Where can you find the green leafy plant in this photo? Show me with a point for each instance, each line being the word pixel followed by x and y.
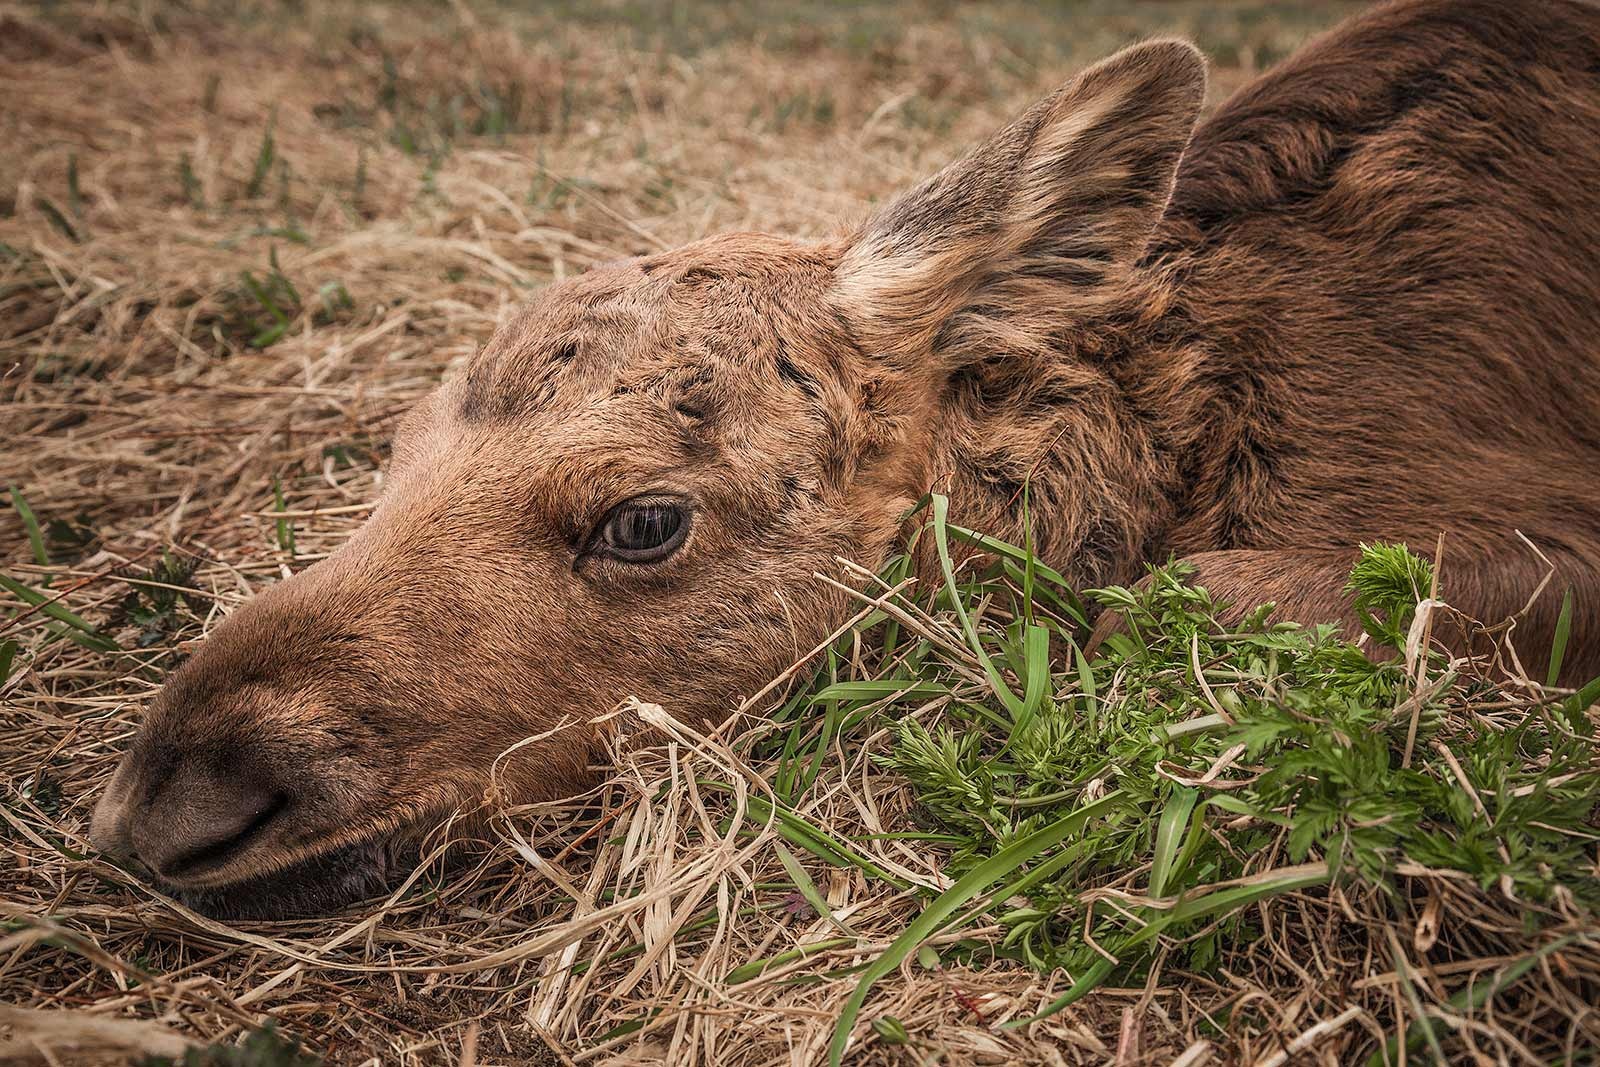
pixel 265 155
pixel 268 305
pixel 1386 583
pixel 1101 808
pixel 275 296
pixel 155 597
pixel 283 526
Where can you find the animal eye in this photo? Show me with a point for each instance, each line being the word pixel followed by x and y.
pixel 644 530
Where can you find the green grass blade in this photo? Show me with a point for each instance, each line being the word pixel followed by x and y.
pixel 999 548
pixel 1086 683
pixel 264 157
pixel 833 721
pixel 1036 671
pixel 815 840
pixel 285 528
pixel 1578 703
pixel 1043 594
pixel 1031 567
pixel 755 968
pixel 31 524
pixel 74 189
pixel 941 540
pixel 1036 660
pixel 952 900
pixel 1204 906
pixel 1558 647
pixel 788 765
pixel 1041 872
pixel 879 690
pixel 1170 832
pixel 57 219
pixel 1083 986
pixel 79 629
pixel 264 298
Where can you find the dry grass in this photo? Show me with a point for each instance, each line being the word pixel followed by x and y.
pixel 394 179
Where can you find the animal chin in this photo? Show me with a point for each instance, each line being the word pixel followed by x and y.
pixel 319 885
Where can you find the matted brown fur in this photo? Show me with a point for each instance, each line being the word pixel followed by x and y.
pixel 1366 254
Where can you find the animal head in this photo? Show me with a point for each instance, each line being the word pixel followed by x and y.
pixel 627 493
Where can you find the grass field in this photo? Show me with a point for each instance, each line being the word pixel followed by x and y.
pixel 238 239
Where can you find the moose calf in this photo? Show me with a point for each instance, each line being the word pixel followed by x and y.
pixel 1361 301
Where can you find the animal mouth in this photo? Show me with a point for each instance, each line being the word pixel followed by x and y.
pixel 318 885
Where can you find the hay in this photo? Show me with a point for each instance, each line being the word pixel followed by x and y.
pixel 394 180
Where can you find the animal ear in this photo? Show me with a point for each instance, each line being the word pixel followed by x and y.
pixel 1056 207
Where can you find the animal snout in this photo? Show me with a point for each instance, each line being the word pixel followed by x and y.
pixel 189 820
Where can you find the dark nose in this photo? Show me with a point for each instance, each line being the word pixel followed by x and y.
pixel 186 822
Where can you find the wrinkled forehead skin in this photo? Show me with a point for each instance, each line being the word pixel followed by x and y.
pixel 708 329
pixel 718 370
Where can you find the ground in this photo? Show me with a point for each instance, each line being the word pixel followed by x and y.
pixel 237 240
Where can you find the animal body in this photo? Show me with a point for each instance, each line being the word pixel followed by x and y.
pixel 1361 301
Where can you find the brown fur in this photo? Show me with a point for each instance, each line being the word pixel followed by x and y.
pixel 1363 303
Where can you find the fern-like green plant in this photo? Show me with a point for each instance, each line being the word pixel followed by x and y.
pixel 1387 582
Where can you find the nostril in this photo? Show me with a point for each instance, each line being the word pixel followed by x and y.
pixel 209 848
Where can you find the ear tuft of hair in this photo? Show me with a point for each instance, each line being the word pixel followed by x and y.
pixel 1057 206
